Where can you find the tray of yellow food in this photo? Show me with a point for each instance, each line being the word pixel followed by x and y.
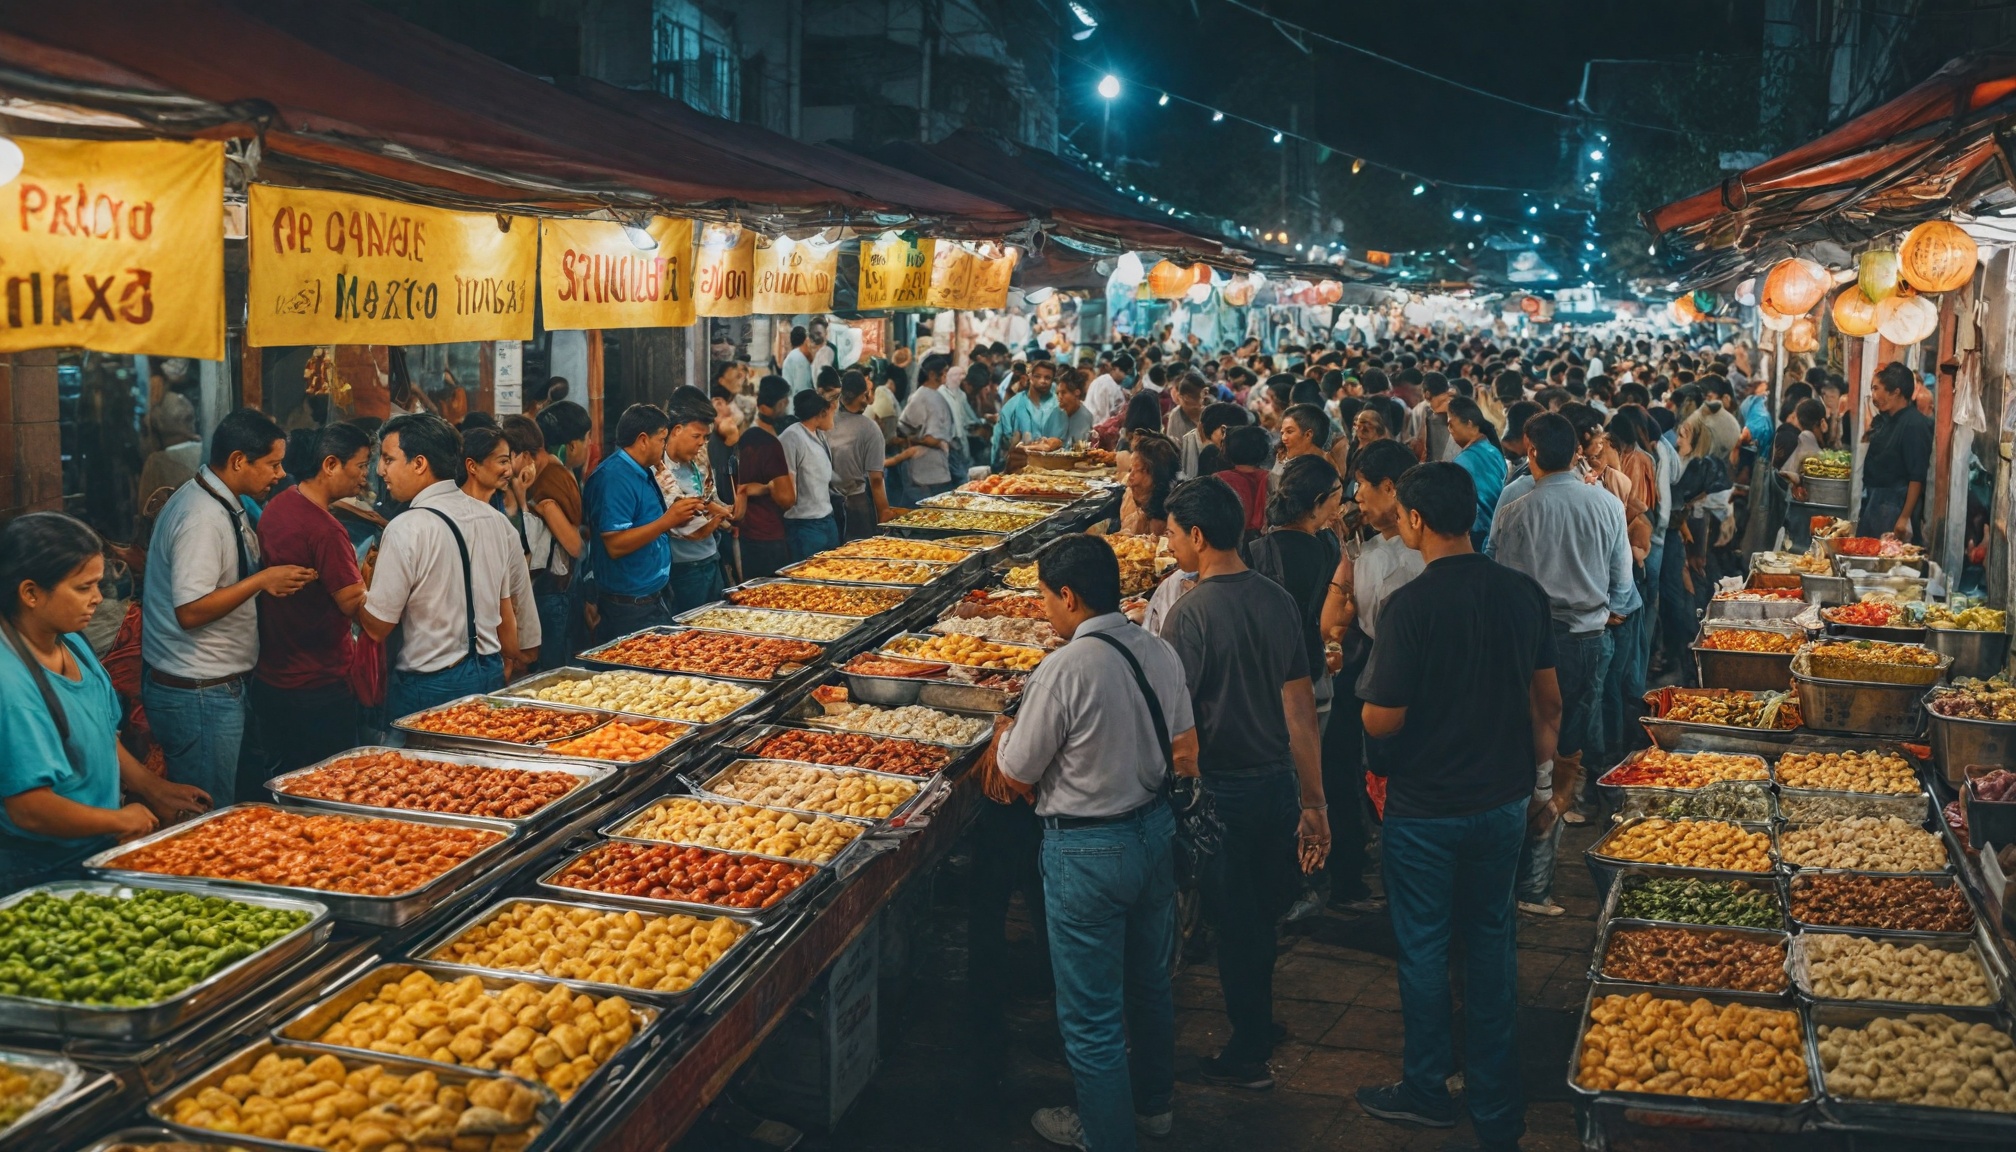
pixel 963 651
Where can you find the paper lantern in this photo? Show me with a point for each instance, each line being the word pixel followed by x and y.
pixel 1168 280
pixel 1746 293
pixel 1854 313
pixel 1329 292
pixel 1200 273
pixel 1794 286
pixel 1238 291
pixel 1705 302
pixel 1127 270
pixel 1906 318
pixel 1680 312
pixel 1198 293
pixel 1876 272
pixel 1802 336
pixel 1530 305
pixel 1937 256
pixel 1775 321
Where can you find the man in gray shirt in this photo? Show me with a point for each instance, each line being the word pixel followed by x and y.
pixel 859 459
pixel 1104 721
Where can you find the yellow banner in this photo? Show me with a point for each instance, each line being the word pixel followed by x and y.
pixel 593 275
pixel 991 278
pixel 895 273
pixel 115 246
pixel 951 275
pixel 332 268
pixel 794 276
pixel 724 273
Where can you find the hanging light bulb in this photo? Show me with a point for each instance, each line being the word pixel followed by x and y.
pixel 1420 188
pixel 1357 166
pixel 1217 116
pixel 1163 102
pixel 1277 136
pixel 1109 86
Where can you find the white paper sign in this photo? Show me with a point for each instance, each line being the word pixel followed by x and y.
pixel 508 378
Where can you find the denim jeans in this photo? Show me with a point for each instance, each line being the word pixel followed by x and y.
pixel 1445 878
pixel 1109 891
pixel 1580 660
pixel 1246 887
pixel 24 862
pixel 620 618
pixel 1676 608
pixel 410 692
pixel 1344 788
pixel 694 583
pixel 1623 686
pixel 556 629
pixel 811 535
pixel 201 732
pixel 763 557
pixel 300 726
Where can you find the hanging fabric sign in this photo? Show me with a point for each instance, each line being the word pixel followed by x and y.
pixel 724 274
pixel 952 268
pixel 333 268
pixel 594 274
pixel 794 276
pixel 895 273
pixel 991 277
pixel 115 246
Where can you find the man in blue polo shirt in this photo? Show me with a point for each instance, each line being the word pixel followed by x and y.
pixel 1031 419
pixel 629 519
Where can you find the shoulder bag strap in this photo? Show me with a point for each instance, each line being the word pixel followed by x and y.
pixel 468 577
pixel 1147 694
pixel 234 514
pixel 41 677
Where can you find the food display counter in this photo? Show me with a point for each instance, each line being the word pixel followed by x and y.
pixel 568 964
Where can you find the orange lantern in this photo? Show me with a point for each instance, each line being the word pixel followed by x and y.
pixel 1329 292
pixel 1530 305
pixel 1906 318
pixel 1200 273
pixel 1937 256
pixel 1681 312
pixel 1794 286
pixel 1854 312
pixel 1802 336
pixel 1238 291
pixel 1167 281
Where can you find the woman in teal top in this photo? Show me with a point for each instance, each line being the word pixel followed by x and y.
pixel 63 768
pixel 1481 457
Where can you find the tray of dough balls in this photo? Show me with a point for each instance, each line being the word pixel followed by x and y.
pixel 1706 1058
pixel 1682 959
pixel 1930 1074
pixel 515 725
pixel 536 1028
pixel 1908 973
pixel 373 781
pixel 824 788
pixel 276 1095
pixel 1884 844
pixel 1821 784
pixel 732 826
pixel 699 704
pixel 1723 848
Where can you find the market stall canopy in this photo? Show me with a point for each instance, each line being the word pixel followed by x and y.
pixel 1929 152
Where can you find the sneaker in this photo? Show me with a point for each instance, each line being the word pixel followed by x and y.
pixel 1548 908
pixel 1059 1126
pixel 1390 1102
pixel 1158 1125
pixel 1235 1074
pixel 1573 817
pixel 1308 907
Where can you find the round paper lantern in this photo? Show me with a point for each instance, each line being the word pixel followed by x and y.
pixel 1906 318
pixel 1876 272
pixel 1238 291
pixel 1680 313
pixel 1198 293
pixel 1746 293
pixel 1167 280
pixel 1530 305
pixel 1937 256
pixel 1127 270
pixel 1854 313
pixel 1775 321
pixel 1705 302
pixel 1794 286
pixel 1802 336
pixel 1200 273
pixel 1329 291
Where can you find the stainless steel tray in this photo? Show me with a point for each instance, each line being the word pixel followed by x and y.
pixel 1795 882
pixel 1755 609
pixel 1614 894
pixel 1634 800
pixel 618 828
pixel 375 911
pixel 939 569
pixel 1603 866
pixel 809 711
pixel 945 695
pixel 430 950
pixel 883 649
pixel 590 781
pixel 686 620
pixel 421 738
pixel 784 671
pixel 1958 741
pixel 71 1081
pixel 304 1026
pixel 1604 781
pixel 1858 707
pixel 748 738
pixel 1793 826
pixel 1799 962
pixel 1793 802
pixel 791 899
pixel 918 786
pixel 1911 1122
pixel 1747 671
pixel 1616 924
pixel 908 591
pixel 162 1107
pixel 1694 735
pixel 144 1135
pixel 150 1021
pixel 1975 654
pixel 696 730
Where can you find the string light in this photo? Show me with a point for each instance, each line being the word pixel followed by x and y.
pixel 1217 116
pixel 1163 102
pixel 1419 189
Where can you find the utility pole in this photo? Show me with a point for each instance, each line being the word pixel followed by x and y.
pixel 927 33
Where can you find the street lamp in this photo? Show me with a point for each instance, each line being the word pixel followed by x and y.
pixel 1109 88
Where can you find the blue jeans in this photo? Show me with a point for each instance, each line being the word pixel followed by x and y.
pixel 556 629
pixel 693 583
pixel 1109 891
pixel 620 617
pixel 1580 660
pixel 1623 685
pixel 1676 608
pixel 201 732
pixel 1535 884
pixel 811 535
pixel 24 861
pixel 1453 877
pixel 410 692
pixel 1246 887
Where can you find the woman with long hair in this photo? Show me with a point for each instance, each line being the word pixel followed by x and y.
pixel 1151 473
pixel 1482 456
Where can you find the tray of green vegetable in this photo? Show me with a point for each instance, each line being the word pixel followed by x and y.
pixel 1710 899
pixel 92 958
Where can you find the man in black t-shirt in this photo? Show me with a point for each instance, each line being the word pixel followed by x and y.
pixel 1900 454
pixel 1461 686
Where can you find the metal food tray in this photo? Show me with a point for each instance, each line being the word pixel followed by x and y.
pixel 1613 925
pixel 421 738
pixel 1694 1111
pixel 939 568
pixel 1976 654
pixel 884 649
pixel 1998 988
pixel 71 1083
pixel 1923 676
pixel 1637 800
pixel 151 1021
pixel 162 1107
pixel 1697 735
pixel 908 591
pixel 1906 634
pixel 1614 894
pixel 304 1026
pixel 1915 1122
pixel 617 829
pixel 145 1135
pixel 808 711
pixel 741 743
pixel 1916 807
pixel 896 691
pixel 1755 609
pixel 1947 880
pixel 1797 869
pixel 784 671
pixel 428 951
pixel 1052 504
pixel 685 620
pixel 792 899
pixel 1604 867
pixel 1746 671
pixel 918 785
pixel 695 729
pixel 590 781
pixel 1603 781
pixel 375 911
pixel 1857 707
pixel 1958 741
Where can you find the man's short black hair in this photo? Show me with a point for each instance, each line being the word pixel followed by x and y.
pixel 1383 460
pixel 1893 376
pixel 1311 419
pixel 308 448
pixel 1443 493
pixel 423 435
pixel 1123 363
pixel 853 384
pixel 936 364
pixel 1517 415
pixel 247 430
pixel 689 406
pixel 797 335
pixel 771 390
pixel 1551 441
pixel 1209 505
pixel 1085 565
pixel 563 423
pixel 809 405
pixel 1247 444
pixel 1222 414
pixel 640 420
pixel 1374 381
pixel 1434 383
pixel 722 368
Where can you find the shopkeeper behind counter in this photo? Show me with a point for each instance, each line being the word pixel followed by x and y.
pixel 64 768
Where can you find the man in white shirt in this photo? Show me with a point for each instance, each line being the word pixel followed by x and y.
pixel 802 366
pixel 931 418
pixel 199 633
pixel 450 576
pixel 809 524
pixel 1109 391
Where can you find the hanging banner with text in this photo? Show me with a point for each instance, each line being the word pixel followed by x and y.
pixel 724 272
pixel 895 273
pixel 794 276
pixel 951 275
pixel 115 246
pixel 332 268
pixel 593 274
pixel 992 275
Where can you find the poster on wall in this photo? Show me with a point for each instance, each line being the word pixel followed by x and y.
pixel 333 268
pixel 724 273
pixel 992 274
pixel 794 276
pixel 115 246
pixel 601 274
pixel 952 267
pixel 895 272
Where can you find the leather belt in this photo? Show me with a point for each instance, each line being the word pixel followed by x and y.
pixel 614 598
pixel 183 682
pixel 1095 821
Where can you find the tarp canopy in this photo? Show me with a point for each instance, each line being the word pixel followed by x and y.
pixel 1931 151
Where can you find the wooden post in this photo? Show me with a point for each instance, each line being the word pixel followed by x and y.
pixel 1864 410
pixel 1939 487
pixel 594 386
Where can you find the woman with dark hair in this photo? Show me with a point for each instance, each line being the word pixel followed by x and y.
pixel 1151 471
pixel 64 768
pixel 1482 457
pixel 1143 413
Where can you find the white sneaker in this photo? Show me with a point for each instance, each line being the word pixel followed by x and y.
pixel 1548 909
pixel 1158 1125
pixel 1059 1126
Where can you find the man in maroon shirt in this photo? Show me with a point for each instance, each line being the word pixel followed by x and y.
pixel 300 687
pixel 766 481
